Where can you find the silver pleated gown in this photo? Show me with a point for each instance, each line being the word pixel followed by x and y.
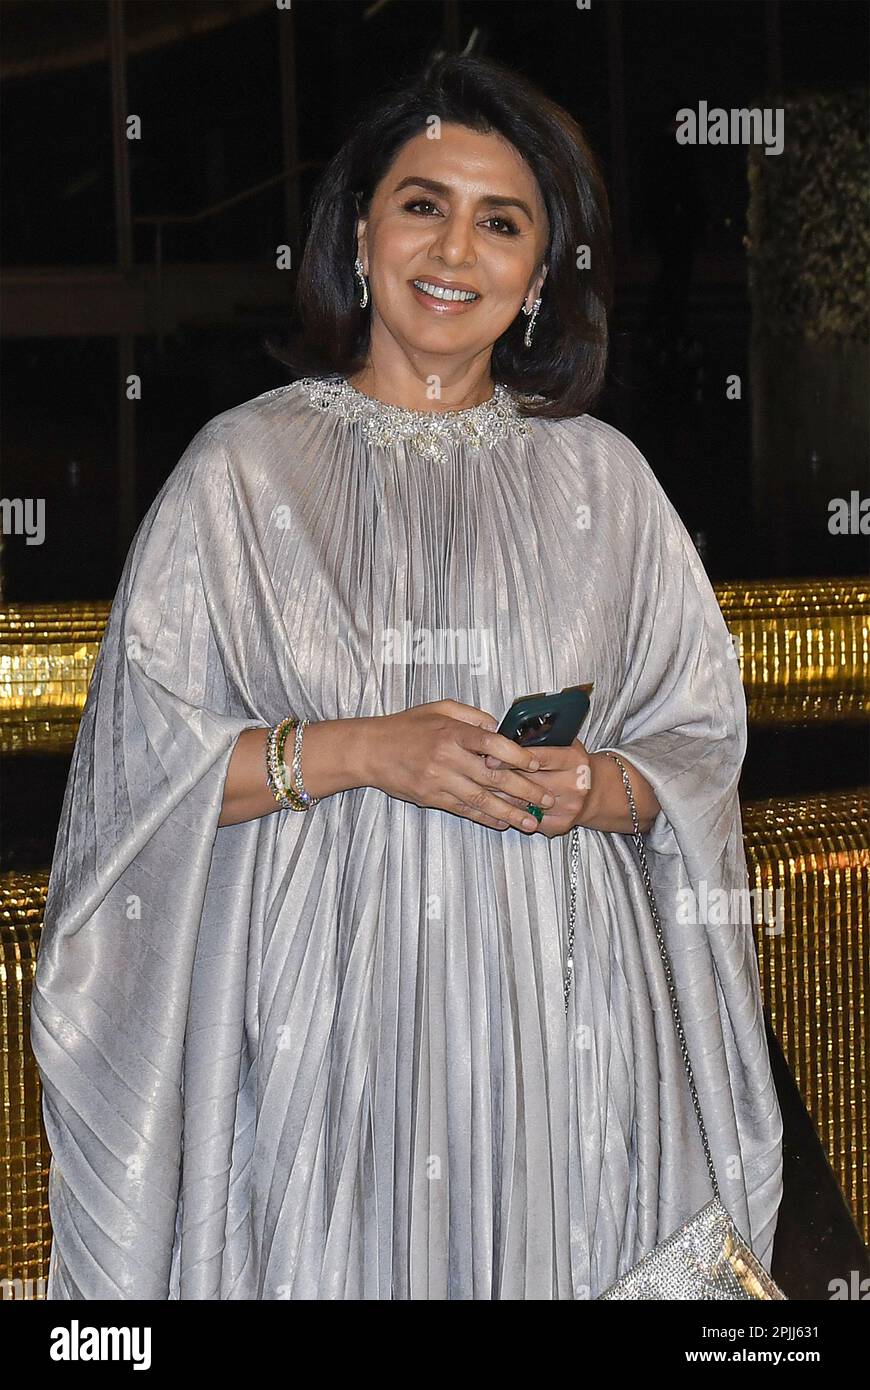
pixel 325 1055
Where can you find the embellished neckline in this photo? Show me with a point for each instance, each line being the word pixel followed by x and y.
pixel 427 432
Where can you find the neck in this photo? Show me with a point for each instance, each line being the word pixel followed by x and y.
pixel 425 386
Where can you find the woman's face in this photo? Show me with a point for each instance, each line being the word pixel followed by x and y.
pixel 462 211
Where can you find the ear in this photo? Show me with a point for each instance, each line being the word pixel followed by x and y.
pixel 537 286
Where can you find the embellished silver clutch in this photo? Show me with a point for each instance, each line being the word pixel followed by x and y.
pixel 707 1257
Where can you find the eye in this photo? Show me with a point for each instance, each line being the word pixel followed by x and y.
pixel 417 203
pixel 512 228
pixel 507 226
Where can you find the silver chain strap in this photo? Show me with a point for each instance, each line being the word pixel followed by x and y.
pixel 572 914
pixel 666 961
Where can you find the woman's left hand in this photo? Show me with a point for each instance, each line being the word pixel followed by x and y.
pixel 566 773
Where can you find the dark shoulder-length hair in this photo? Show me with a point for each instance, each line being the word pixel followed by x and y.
pixel 566 362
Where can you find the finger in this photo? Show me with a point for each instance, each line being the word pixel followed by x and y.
pixel 469 714
pixel 468 813
pixel 484 741
pixel 516 800
pixel 505 779
pixel 554 758
pixel 458 807
pixel 524 787
pixel 553 822
pixel 482 802
pixel 550 823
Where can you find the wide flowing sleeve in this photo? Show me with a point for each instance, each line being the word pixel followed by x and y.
pixel 168 697
pixel 680 719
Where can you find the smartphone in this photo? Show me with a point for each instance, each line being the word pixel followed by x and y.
pixel 551 718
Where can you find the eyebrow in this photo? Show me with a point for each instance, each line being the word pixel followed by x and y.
pixel 434 186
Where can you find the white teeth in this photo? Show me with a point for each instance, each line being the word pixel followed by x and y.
pixel 439 292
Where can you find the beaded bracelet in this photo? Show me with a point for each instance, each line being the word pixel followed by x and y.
pixel 274 776
pixel 298 785
pixel 292 798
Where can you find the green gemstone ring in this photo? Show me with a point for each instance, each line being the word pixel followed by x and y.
pixel 536 812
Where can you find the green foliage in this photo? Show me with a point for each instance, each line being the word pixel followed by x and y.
pixel 808 222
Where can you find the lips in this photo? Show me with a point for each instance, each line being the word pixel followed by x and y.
pixel 446 284
pixel 444 296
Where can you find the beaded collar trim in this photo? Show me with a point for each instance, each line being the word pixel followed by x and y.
pixel 427 432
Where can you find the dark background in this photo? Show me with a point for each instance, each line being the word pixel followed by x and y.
pixel 232 94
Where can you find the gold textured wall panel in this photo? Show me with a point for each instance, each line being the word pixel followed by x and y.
pixel 814 972
pixel 25 1234
pixel 47 654
pixel 803 649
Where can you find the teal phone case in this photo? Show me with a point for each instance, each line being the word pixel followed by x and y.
pixel 550 718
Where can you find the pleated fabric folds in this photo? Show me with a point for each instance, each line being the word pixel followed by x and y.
pixel 325 1056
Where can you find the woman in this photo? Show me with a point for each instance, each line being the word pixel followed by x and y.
pixel 319 1049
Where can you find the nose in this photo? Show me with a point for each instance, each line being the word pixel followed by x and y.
pixel 454 242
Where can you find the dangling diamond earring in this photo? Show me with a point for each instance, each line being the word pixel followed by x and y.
pixel 358 267
pixel 532 315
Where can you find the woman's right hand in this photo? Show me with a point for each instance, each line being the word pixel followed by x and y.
pixel 433 756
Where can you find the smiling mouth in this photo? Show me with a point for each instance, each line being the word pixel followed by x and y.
pixel 443 295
